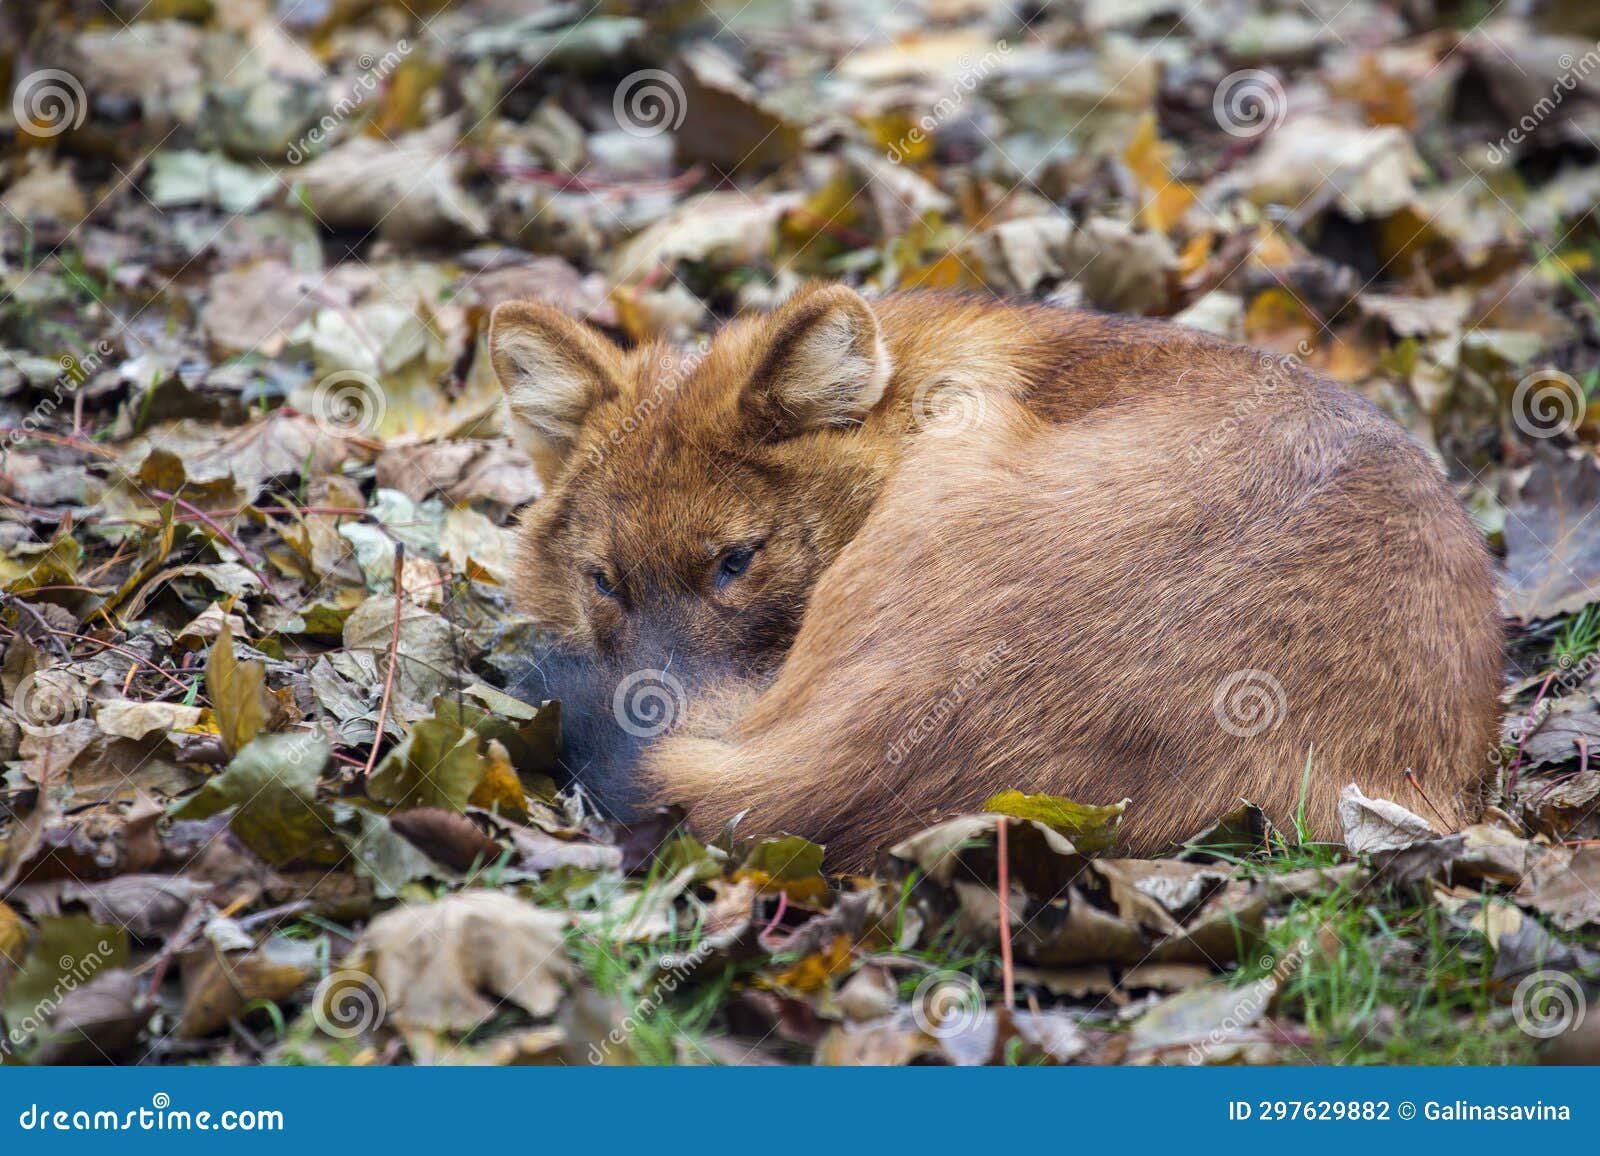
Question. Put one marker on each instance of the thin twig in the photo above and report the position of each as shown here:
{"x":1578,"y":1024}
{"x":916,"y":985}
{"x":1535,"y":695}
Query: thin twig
{"x":1522,"y":741}
{"x":295,"y":907}
{"x":1411,"y":777}
{"x":216,"y":528}
{"x":124,"y":651}
{"x":394,"y":657}
{"x":76,"y":443}
{"x":39,"y":619}
{"x":193,"y":920}
{"x":107,"y":565}
{"x":765,"y":937}
{"x":45,"y":514}
{"x":1007,"y":985}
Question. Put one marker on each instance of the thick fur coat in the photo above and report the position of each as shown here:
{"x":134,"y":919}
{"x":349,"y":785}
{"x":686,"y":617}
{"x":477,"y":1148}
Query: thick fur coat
{"x":899,"y":555}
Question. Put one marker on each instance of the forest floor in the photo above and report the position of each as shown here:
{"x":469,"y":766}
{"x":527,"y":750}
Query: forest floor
{"x":266,"y":799}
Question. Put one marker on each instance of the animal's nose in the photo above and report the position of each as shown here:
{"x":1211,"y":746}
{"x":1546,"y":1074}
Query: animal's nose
{"x":611,"y":710}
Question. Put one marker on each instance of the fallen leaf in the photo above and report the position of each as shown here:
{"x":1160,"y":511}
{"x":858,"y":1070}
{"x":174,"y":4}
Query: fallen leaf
{"x":238,"y":694}
{"x":148,"y":905}
{"x":134,"y":720}
{"x":271,"y":789}
{"x":1564,"y":887}
{"x":410,"y":187}
{"x":1209,"y":1024}
{"x":1090,"y":828}
{"x":444,"y":966}
{"x":437,"y":765}
{"x":1552,"y":564}
{"x":1377,"y":824}
{"x":218,"y":986}
{"x":97,"y":1023}
{"x":447,"y":838}
{"x":66,"y":953}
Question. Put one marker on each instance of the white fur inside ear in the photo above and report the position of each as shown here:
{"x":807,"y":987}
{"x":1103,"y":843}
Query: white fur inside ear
{"x":838,"y":370}
{"x":548,"y":388}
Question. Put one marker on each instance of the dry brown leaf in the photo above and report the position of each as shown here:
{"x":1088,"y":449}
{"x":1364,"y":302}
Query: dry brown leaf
{"x":1552,"y":562}
{"x":446,"y":965}
{"x":1377,"y":824}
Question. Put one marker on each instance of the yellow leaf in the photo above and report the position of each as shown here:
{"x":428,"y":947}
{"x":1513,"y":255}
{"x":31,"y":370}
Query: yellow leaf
{"x":152,"y":558}
{"x":13,"y":936}
{"x":499,"y":789}
{"x":1352,"y":359}
{"x":1195,"y":254}
{"x":1574,"y":261}
{"x":899,"y":135}
{"x":1274,"y":251}
{"x":631,"y":319}
{"x":1276,"y":320}
{"x":55,"y":566}
{"x":825,"y":224}
{"x":1384,"y":98}
{"x":238,"y":692}
{"x":810,"y":891}
{"x":1090,"y":828}
{"x":947,"y":272}
{"x":205,"y":725}
{"x":813,"y":972}
{"x":1149,"y":158}
{"x":402,"y":104}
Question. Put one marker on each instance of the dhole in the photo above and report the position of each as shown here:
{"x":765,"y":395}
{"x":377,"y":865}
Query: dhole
{"x":865,"y":564}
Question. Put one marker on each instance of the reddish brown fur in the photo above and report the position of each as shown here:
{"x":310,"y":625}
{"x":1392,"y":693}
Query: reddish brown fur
{"x":670,"y":468}
{"x":1051,"y":600}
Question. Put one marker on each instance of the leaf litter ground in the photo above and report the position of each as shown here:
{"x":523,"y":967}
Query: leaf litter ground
{"x":267,"y":797}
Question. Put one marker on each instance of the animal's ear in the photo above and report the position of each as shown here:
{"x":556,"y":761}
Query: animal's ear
{"x":554,"y":371}
{"x":825,"y":364}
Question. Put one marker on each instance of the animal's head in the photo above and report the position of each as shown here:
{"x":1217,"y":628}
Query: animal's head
{"x":692,"y":500}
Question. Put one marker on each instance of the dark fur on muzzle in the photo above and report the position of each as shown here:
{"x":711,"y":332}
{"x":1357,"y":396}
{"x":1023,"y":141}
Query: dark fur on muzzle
{"x":612,"y":709}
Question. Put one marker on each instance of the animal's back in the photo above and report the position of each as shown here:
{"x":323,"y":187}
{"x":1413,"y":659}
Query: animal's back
{"x":1223,"y":569}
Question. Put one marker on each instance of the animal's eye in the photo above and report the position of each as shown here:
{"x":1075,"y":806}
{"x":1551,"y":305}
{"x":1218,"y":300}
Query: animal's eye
{"x":734,"y":563}
{"x":606,"y":589}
